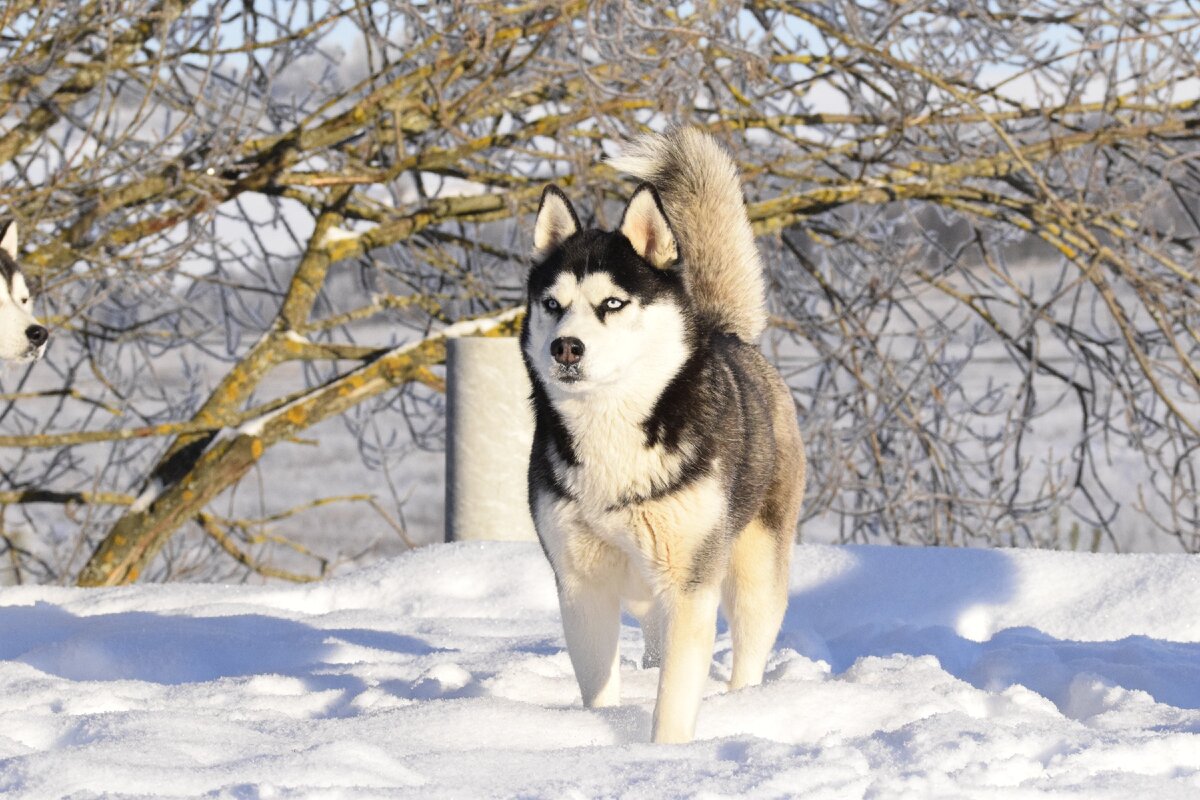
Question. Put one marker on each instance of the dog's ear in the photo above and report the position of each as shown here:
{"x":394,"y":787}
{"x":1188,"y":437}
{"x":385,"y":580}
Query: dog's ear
{"x":8,"y":237}
{"x":556,"y":222}
{"x":33,"y":284}
{"x":645,"y":225}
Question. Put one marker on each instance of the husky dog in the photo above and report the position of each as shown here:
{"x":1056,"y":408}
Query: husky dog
{"x":667,"y":468}
{"x":22,"y":338}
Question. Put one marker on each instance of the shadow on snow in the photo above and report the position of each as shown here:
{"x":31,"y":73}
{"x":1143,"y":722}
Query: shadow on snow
{"x":935,"y":602}
{"x":175,"y":649}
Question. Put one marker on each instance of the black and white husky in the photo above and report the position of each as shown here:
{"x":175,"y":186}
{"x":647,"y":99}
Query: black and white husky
{"x":667,"y":468}
{"x":22,"y":338}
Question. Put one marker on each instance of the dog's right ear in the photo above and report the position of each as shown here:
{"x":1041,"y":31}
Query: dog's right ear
{"x":645,"y":225}
{"x":556,"y":222}
{"x":8,"y":237}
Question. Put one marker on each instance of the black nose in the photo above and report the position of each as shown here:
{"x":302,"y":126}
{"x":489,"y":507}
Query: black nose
{"x":37,"y":335}
{"x":567,"y":350}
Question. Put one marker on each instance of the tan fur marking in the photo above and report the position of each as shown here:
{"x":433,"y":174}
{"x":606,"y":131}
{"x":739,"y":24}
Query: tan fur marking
{"x":754,"y":596}
{"x":668,"y":531}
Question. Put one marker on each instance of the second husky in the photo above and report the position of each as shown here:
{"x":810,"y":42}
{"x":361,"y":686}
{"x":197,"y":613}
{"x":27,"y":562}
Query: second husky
{"x":22,"y":338}
{"x":667,"y":469}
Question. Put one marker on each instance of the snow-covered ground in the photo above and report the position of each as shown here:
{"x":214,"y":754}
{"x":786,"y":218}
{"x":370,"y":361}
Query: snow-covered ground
{"x":899,"y":673}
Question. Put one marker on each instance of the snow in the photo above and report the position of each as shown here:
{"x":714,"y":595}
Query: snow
{"x":899,"y":673}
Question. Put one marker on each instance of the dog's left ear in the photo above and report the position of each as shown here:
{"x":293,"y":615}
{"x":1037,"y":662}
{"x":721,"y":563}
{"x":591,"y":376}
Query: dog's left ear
{"x":8,"y":237}
{"x":556,"y":222}
{"x":645,"y":226}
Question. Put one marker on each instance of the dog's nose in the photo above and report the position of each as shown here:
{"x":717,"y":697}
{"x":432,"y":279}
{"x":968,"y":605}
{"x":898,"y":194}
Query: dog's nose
{"x":37,"y":335}
{"x":567,"y":350}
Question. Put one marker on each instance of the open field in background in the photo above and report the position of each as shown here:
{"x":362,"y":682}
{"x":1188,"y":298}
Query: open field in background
{"x":327,"y":463}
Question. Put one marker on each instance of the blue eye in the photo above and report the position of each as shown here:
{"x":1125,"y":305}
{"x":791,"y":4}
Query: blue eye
{"x":551,"y":304}
{"x":615,"y":304}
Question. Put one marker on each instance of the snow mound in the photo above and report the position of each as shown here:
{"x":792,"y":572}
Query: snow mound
{"x":899,"y":673}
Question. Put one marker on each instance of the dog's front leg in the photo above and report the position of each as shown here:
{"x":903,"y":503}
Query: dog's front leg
{"x":691,"y":629}
{"x":591,"y":614}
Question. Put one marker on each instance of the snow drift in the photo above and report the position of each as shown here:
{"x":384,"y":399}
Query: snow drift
{"x":899,"y":673}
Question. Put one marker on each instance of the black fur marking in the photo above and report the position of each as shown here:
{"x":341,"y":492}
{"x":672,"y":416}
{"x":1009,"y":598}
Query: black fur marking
{"x":683,"y":403}
{"x":602,"y":310}
{"x":593,"y":250}
{"x":691,"y":471}
{"x":9,"y":270}
{"x":8,"y":267}
{"x":748,"y":448}
{"x":542,"y":475}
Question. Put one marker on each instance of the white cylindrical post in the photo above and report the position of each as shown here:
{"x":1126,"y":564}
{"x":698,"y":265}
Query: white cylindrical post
{"x":489,"y":432}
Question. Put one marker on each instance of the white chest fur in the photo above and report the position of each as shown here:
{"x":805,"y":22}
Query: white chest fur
{"x":614,"y":462}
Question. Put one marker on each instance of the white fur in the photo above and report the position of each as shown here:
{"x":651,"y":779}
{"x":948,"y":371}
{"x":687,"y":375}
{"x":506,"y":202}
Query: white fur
{"x":16,"y":318}
{"x":687,"y":651}
{"x":667,"y":533}
{"x":589,"y":573}
{"x":643,"y":555}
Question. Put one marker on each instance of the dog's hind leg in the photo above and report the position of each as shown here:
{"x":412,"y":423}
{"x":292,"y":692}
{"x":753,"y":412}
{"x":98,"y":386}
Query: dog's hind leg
{"x":690,"y":630}
{"x":650,"y":618}
{"x":754,"y":599}
{"x":641,"y":602}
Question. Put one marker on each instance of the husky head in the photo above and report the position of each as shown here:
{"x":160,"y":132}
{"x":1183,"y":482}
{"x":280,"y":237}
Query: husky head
{"x":607,"y":309}
{"x":22,"y":338}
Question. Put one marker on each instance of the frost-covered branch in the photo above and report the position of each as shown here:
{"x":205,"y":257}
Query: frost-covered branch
{"x":982,"y":226}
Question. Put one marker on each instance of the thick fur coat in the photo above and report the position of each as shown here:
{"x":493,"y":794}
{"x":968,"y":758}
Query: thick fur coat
{"x":667,"y":468}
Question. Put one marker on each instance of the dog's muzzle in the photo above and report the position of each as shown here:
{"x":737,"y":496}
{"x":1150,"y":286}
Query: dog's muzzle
{"x":567,"y":352}
{"x":37,"y":335}
{"x":567,"y":373}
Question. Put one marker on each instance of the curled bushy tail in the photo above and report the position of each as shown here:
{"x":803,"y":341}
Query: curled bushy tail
{"x":702,"y":195}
